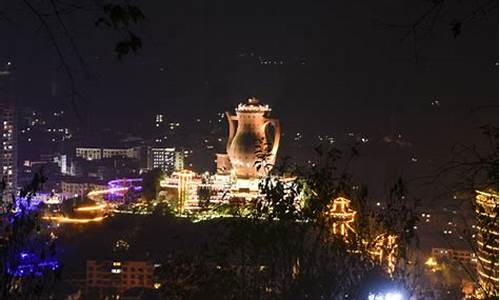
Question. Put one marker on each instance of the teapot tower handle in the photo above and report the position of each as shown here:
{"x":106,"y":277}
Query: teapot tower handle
{"x":277,"y":134}
{"x":232,"y":120}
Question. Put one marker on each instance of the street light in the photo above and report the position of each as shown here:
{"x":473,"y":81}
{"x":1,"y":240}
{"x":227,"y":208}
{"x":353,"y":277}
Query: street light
{"x":386,"y":296}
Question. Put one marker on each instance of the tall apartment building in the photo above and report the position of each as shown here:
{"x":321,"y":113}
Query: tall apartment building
{"x":8,"y":150}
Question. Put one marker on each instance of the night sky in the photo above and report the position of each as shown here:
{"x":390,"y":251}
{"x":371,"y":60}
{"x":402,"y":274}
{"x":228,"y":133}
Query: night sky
{"x":326,"y":67}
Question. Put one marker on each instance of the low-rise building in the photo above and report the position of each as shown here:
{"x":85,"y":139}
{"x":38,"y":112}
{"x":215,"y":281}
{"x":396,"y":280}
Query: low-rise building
{"x":462,"y":256}
{"x":80,"y":186}
{"x":120,"y":152}
{"x":89,"y":153}
{"x":116,"y":277}
{"x":97,"y":153}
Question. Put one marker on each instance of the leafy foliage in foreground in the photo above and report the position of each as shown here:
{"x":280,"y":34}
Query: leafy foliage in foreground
{"x":284,"y":249}
{"x":27,"y":265}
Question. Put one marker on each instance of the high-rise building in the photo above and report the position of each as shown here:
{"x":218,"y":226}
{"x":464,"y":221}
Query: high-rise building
{"x":8,"y":150}
{"x":487,"y":241}
{"x":167,"y":159}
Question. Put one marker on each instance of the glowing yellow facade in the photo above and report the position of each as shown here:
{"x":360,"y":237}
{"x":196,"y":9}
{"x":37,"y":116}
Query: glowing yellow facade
{"x":183,"y":188}
{"x":487,"y":241}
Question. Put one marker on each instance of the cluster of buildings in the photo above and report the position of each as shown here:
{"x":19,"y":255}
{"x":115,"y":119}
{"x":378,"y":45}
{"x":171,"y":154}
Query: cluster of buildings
{"x":91,"y":168}
{"x":250,"y":154}
{"x":251,"y":150}
{"x":142,"y":158}
{"x":169,"y":159}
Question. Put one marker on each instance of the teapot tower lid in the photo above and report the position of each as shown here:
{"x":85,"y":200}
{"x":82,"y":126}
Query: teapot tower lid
{"x":253,"y":105}
{"x":253,"y":100}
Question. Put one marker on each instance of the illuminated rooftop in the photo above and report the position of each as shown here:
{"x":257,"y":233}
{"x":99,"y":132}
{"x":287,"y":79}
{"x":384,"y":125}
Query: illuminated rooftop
{"x":253,"y":105}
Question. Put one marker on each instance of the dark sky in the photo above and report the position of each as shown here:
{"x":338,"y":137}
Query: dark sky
{"x":337,"y":70}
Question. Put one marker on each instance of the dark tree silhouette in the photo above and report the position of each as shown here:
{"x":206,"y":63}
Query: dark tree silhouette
{"x":278,"y":248}
{"x":151,"y":184}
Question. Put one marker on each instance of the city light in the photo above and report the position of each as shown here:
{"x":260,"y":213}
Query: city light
{"x":341,"y":215}
{"x":383,"y":249}
{"x":91,"y":208}
{"x":184,"y":188}
{"x":62,"y":219}
{"x":117,"y":187}
{"x":241,"y":149}
{"x":431,"y":262}
{"x":386,"y":296}
{"x":31,"y":264}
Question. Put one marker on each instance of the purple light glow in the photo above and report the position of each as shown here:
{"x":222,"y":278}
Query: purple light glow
{"x":31,"y":264}
{"x":123,"y":182}
{"x":119,"y":187}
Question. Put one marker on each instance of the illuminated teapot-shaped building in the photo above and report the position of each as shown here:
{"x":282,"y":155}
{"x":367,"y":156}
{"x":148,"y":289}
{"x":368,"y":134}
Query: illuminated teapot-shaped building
{"x":247,"y":136}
